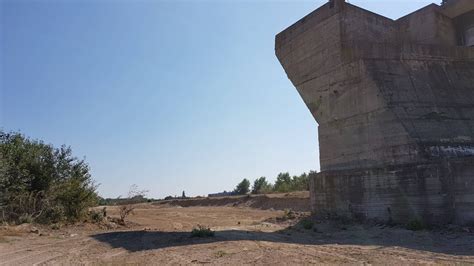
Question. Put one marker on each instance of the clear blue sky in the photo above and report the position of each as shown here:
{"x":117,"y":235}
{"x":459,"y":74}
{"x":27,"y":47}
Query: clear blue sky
{"x":168,"y":95}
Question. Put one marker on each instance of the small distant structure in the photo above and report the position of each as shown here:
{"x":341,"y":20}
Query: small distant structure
{"x":222,"y":194}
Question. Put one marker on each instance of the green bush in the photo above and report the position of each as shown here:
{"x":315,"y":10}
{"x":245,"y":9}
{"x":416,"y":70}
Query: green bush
{"x":44,"y":183}
{"x":307,"y":224}
{"x":25,"y":219}
{"x":202,"y":231}
{"x":55,"y":226}
{"x":96,"y":216}
{"x":51,"y":214}
{"x":289,"y":214}
{"x":221,"y":253}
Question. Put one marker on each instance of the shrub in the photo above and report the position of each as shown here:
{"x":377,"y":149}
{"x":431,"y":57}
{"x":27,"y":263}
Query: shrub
{"x":202,"y":231}
{"x":307,"y":224}
{"x":96,"y":216}
{"x":55,"y":226}
{"x":51,"y":214}
{"x":75,"y":196}
{"x":221,"y":253}
{"x":25,"y":219}
{"x":41,"y":182}
{"x":289,"y":214}
{"x":124,"y":212}
{"x":17,"y":206}
{"x":128,"y":205}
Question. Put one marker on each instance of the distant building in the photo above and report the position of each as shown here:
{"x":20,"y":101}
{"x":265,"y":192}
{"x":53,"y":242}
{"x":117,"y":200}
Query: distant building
{"x":222,"y":194}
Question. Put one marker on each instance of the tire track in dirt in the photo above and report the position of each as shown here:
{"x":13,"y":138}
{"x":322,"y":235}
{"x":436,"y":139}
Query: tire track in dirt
{"x":36,"y":257}
{"x":48,"y":260}
{"x":45,"y":252}
{"x":29,"y":249}
{"x":425,"y":256}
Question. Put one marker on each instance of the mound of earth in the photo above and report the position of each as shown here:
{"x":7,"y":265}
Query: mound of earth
{"x":296,"y":201}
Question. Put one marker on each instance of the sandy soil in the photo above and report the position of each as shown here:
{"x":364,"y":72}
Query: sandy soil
{"x":160,"y":234}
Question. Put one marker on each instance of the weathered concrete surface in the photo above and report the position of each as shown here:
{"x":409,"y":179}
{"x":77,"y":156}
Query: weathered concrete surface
{"x":436,"y":192}
{"x":394,"y":101}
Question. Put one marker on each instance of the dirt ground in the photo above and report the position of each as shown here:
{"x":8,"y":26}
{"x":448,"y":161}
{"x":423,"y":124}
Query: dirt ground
{"x":160,"y":234}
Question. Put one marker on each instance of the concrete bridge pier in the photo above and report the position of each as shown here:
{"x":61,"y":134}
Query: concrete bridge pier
{"x":394,"y":100}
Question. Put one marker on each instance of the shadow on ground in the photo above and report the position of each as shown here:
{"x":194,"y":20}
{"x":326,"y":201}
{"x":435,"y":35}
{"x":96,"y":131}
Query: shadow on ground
{"x":438,"y":242}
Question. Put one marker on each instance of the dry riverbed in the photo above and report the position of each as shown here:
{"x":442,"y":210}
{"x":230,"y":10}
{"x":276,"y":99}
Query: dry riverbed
{"x":160,"y":234}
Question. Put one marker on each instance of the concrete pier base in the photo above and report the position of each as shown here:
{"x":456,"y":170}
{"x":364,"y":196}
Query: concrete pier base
{"x":436,"y":193}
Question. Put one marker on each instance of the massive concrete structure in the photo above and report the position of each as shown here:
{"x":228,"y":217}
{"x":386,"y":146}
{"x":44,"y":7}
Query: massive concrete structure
{"x":394,"y":100}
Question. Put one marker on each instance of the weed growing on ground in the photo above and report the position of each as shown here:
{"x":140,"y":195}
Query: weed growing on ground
{"x":307,"y":224}
{"x":55,"y":226}
{"x":202,"y":231}
{"x":221,"y":253}
{"x":288,"y":215}
{"x":25,"y":219}
{"x":96,"y":216}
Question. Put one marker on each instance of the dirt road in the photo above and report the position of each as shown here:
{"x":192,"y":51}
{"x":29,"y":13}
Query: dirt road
{"x":160,"y":234}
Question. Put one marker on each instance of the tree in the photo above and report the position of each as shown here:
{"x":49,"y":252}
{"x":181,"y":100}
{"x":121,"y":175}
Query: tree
{"x":3,"y":180}
{"x":243,"y":187}
{"x":41,"y":183}
{"x":283,"y":182}
{"x":260,"y":186}
{"x":300,"y":183}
